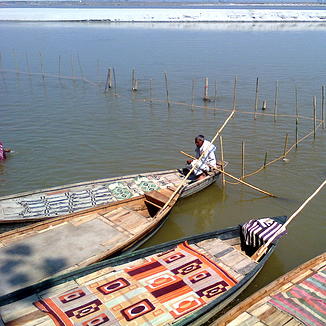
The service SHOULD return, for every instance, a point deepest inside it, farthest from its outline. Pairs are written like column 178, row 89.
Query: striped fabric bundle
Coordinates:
column 258, row 232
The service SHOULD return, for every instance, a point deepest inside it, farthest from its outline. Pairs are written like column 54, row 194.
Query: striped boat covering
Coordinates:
column 305, row 301
column 160, row 290
column 258, row 232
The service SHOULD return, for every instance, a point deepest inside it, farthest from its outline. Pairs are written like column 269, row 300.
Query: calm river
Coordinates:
column 65, row 131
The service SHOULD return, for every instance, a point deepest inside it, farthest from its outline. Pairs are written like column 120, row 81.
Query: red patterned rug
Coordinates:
column 166, row 287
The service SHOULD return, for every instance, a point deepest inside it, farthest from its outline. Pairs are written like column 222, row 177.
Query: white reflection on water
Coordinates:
column 189, row 26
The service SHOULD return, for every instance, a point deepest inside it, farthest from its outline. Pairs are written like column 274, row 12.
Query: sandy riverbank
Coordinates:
column 161, row 15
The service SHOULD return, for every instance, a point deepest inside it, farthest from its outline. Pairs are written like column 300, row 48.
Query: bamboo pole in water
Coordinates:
column 323, row 105
column 15, row 61
column 234, row 93
column 80, row 66
column 27, row 63
column 183, row 183
column 42, row 68
column 133, row 81
column 314, row 105
column 261, row 251
column 296, row 119
column 150, row 90
column 59, row 68
column 296, row 132
column 72, row 66
column 215, row 94
column 275, row 101
column 235, row 178
column 110, row 78
column 206, row 98
column 265, row 160
column 256, row 98
column 242, row 160
column 97, row 69
column 222, row 159
column 192, row 93
column 108, row 83
column 166, row 88
column 285, row 144
column 114, row 81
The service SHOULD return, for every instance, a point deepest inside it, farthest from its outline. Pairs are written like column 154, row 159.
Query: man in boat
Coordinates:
column 207, row 162
column 3, row 152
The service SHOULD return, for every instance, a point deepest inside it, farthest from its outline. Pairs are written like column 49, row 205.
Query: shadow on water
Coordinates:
column 20, row 267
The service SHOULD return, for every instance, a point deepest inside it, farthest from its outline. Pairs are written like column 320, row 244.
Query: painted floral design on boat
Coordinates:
column 72, row 200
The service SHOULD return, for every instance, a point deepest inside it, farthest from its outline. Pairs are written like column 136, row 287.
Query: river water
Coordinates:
column 65, row 131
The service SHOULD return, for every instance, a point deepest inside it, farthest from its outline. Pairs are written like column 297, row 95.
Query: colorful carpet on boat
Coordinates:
column 166, row 287
column 305, row 301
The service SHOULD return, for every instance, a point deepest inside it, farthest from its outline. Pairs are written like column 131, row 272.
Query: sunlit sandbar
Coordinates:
column 162, row 15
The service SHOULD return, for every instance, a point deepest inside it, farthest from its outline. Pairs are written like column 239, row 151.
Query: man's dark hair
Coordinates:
column 200, row 137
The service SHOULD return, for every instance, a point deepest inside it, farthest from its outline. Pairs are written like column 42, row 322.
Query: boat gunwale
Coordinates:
column 191, row 187
column 141, row 253
column 83, row 183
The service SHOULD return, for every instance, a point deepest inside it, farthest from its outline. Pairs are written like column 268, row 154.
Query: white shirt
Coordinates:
column 206, row 161
column 209, row 156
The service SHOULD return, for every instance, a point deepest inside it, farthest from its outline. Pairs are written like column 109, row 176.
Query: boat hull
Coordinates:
column 22, row 209
column 196, row 318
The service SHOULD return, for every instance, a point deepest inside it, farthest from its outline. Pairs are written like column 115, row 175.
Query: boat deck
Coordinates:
column 59, row 201
column 31, row 254
column 226, row 253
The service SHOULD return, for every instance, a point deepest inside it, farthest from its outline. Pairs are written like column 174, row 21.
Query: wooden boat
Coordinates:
column 259, row 308
column 34, row 206
column 181, row 282
column 91, row 235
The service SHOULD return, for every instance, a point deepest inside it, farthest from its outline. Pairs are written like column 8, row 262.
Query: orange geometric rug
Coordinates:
column 166, row 287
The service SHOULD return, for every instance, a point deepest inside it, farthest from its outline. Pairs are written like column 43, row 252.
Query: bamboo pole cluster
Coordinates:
column 111, row 83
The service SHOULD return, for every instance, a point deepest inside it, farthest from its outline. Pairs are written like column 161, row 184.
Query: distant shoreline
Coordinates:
column 156, row 4
column 117, row 15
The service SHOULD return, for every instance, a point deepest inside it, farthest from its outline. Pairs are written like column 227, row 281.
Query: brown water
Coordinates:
column 64, row 131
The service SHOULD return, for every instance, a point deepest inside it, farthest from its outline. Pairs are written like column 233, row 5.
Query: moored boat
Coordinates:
column 296, row 298
column 181, row 282
column 30, row 207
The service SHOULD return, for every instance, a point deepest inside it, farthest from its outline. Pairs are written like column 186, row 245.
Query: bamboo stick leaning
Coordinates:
column 183, row 183
column 235, row 178
column 261, row 251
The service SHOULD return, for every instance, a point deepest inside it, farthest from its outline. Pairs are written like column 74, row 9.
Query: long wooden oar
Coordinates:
column 235, row 178
column 183, row 183
column 261, row 251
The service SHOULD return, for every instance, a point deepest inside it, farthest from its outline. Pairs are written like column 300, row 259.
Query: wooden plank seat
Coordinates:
column 157, row 198
column 227, row 254
column 127, row 220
